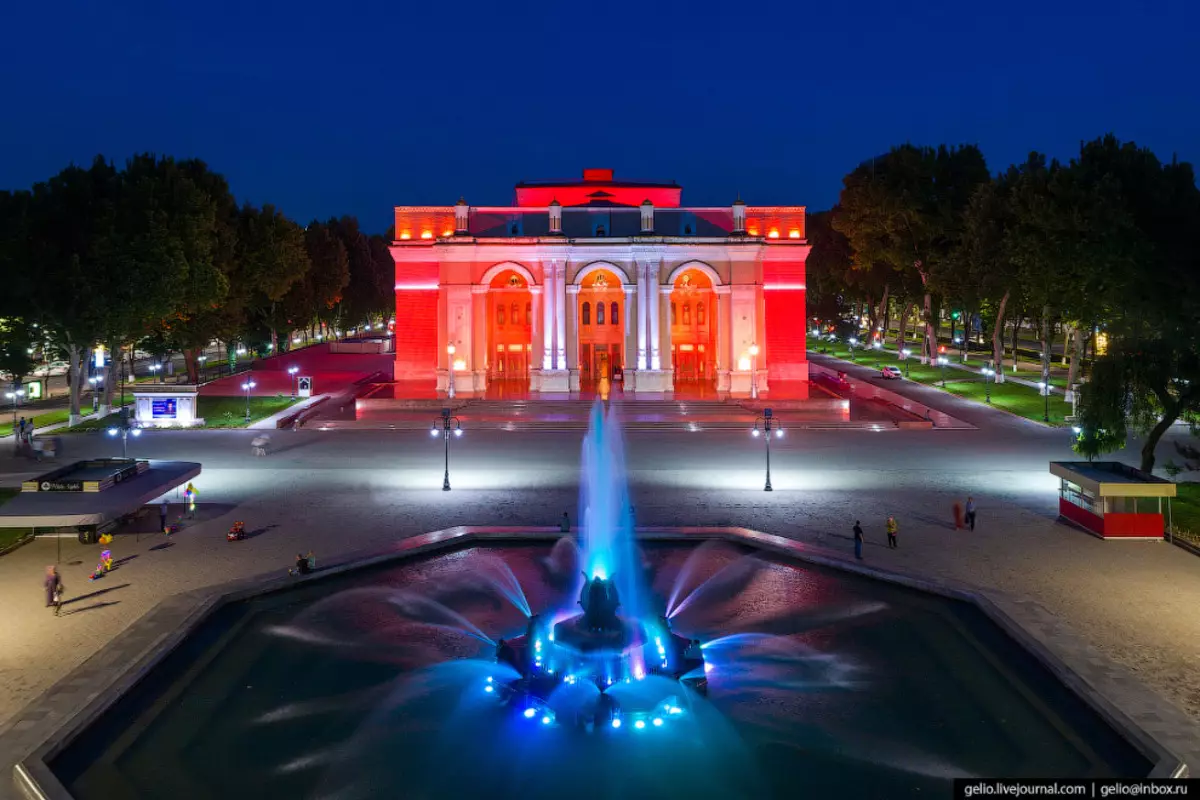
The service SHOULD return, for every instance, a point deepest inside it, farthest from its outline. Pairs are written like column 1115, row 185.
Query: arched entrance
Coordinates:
column 510, row 331
column 694, row 330
column 601, row 316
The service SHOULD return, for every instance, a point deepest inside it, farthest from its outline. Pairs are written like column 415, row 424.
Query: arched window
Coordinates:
column 515, row 314
column 687, row 313
column 699, row 313
column 529, row 313
column 500, row 314
column 600, row 313
column 587, row 313
column 674, row 319
column 613, row 314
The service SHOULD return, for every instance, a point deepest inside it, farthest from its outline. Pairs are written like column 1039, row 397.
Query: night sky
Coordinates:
column 354, row 107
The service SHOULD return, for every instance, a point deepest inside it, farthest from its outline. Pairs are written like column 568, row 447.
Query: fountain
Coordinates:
column 608, row 642
column 596, row 666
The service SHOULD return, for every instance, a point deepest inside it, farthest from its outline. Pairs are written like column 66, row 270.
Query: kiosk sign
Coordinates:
column 166, row 408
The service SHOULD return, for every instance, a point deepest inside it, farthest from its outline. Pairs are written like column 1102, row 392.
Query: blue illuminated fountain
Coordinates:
column 611, row 639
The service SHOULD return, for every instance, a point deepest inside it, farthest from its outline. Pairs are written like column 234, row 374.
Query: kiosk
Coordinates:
column 1112, row 500
column 166, row 405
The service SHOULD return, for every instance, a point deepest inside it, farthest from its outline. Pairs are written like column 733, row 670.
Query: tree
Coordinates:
column 1150, row 378
column 271, row 257
column 905, row 210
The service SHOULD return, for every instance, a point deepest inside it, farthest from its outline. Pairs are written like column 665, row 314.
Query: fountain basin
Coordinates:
column 217, row 692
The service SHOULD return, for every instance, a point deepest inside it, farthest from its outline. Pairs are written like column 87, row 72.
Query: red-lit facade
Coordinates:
column 594, row 280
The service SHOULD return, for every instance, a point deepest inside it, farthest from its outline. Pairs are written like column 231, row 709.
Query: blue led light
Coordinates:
column 616, row 723
column 658, row 722
column 530, row 713
column 639, row 724
column 489, row 688
column 546, row 720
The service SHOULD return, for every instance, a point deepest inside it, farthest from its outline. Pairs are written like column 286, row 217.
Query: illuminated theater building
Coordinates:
column 600, row 280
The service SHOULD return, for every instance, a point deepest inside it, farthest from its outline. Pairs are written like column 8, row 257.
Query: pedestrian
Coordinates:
column 20, row 431
column 162, row 517
column 958, row 516
column 564, row 524
column 892, row 529
column 189, row 496
column 971, row 512
column 312, row 561
column 53, row 585
column 858, row 540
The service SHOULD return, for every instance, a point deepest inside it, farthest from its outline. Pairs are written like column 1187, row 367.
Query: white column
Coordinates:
column 654, row 306
column 632, row 321
column 724, row 337
column 643, row 317
column 572, row 324
column 479, row 336
column 560, row 315
column 538, row 339
column 548, row 326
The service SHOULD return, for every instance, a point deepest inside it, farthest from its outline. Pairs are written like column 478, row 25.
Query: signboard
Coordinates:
column 304, row 387
column 33, row 390
column 164, row 409
column 60, row 486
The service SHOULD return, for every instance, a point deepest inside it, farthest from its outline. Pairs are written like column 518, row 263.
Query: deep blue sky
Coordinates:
column 326, row 108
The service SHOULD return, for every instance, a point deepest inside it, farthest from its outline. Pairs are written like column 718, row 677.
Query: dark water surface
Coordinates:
column 332, row 691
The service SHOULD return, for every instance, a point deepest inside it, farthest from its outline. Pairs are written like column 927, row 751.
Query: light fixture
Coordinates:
column 616, row 723
column 530, row 713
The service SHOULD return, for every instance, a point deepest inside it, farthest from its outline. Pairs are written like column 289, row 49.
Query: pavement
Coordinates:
column 339, row 491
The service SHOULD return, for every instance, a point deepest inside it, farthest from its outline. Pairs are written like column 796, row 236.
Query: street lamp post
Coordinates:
column 764, row 425
column 292, row 374
column 753, row 372
column 942, row 364
column 202, row 359
column 852, row 341
column 124, row 429
column 95, row 382
column 15, row 395
column 449, row 376
column 154, row 368
column 988, row 372
column 1044, row 385
column 445, row 425
column 906, row 354
column 247, row 386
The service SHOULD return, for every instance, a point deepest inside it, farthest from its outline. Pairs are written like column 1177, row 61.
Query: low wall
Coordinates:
column 369, row 346
column 869, row 391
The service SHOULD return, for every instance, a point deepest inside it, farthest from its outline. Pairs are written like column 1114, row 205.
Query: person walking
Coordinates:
column 20, row 431
column 892, row 529
column 54, row 587
column 162, row 517
column 971, row 512
column 858, row 540
column 564, row 524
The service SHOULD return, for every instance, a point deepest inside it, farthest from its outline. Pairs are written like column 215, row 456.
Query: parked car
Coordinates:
column 890, row 372
column 53, row 368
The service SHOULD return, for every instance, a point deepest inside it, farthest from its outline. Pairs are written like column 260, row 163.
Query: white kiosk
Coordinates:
column 163, row 405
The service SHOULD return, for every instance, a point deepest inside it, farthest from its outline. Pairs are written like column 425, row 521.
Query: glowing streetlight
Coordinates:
column 292, row 375
column 906, row 354
column 1044, row 388
column 445, row 425
column 450, row 375
column 15, row 396
column 247, row 386
column 764, row 425
column 988, row 372
column 95, row 382
column 852, row 342
column 202, row 359
column 154, row 368
column 124, row 429
column 942, row 363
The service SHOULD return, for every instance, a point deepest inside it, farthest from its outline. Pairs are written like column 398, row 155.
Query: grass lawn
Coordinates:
column 43, row 418
column 10, row 535
column 217, row 412
column 1021, row 400
column 1185, row 512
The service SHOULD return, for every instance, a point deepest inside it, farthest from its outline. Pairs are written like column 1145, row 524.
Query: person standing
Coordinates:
column 892, row 529
column 971, row 512
column 858, row 540
column 20, row 431
column 564, row 524
column 162, row 517
column 958, row 516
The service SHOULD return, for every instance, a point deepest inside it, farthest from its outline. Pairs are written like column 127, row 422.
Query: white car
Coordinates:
column 890, row 372
column 53, row 368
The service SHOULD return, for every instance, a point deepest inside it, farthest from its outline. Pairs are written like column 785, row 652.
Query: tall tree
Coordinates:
column 271, row 258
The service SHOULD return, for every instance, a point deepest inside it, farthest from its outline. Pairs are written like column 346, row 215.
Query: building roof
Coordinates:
column 1112, row 479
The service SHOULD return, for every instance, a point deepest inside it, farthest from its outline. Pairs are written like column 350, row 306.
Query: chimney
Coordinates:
column 555, row 217
column 460, row 216
column 739, row 217
column 647, row 216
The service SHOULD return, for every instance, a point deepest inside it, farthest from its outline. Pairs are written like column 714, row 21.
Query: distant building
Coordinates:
column 582, row 281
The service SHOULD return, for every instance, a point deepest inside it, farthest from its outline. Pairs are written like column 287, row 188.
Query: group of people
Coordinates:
column 305, row 564
column 962, row 519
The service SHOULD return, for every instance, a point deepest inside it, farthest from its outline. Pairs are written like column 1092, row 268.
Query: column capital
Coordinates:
column 665, row 290
column 722, row 289
column 572, row 289
column 629, row 288
column 535, row 289
column 480, row 289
